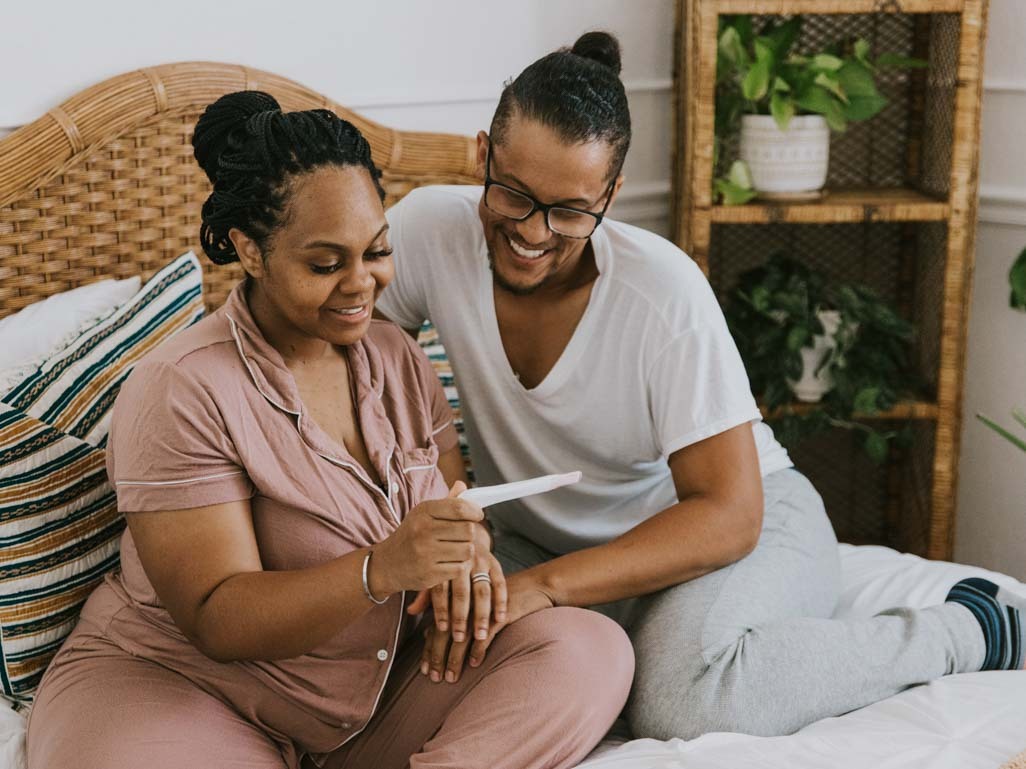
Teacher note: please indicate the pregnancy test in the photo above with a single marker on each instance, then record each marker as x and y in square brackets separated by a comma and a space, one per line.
[484, 496]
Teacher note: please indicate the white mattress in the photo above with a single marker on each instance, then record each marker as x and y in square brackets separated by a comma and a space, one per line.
[957, 722]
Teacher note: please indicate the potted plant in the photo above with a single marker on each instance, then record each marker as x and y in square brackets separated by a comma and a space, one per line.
[849, 347]
[786, 104]
[1017, 301]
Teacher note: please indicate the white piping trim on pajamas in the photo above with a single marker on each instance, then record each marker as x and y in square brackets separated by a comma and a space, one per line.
[242, 354]
[418, 467]
[441, 428]
[177, 483]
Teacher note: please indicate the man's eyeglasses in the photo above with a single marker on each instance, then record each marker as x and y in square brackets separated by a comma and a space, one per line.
[563, 220]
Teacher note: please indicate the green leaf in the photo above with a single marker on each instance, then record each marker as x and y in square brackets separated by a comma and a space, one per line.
[742, 22]
[896, 61]
[797, 337]
[832, 84]
[731, 48]
[827, 62]
[866, 400]
[761, 298]
[740, 175]
[820, 101]
[835, 118]
[782, 37]
[1013, 439]
[863, 107]
[1019, 416]
[782, 108]
[856, 80]
[756, 81]
[876, 447]
[816, 99]
[1017, 279]
[864, 100]
[733, 195]
[861, 49]
[779, 84]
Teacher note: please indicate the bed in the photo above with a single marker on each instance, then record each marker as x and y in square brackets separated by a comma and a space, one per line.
[105, 186]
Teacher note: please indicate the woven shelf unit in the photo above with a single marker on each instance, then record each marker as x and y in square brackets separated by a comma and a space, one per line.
[899, 215]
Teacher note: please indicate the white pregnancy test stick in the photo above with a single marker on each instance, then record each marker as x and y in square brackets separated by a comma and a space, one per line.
[483, 496]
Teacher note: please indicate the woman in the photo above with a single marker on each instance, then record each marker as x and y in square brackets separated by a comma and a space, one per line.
[284, 466]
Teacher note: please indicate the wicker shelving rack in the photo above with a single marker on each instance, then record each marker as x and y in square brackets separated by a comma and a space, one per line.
[899, 215]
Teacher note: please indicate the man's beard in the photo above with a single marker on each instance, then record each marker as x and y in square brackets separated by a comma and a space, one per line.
[505, 285]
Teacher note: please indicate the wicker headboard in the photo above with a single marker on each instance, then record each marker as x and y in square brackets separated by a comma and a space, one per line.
[105, 185]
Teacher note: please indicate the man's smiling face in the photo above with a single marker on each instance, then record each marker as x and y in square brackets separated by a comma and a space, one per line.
[533, 159]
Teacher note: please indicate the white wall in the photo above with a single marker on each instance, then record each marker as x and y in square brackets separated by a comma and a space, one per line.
[440, 65]
[991, 527]
[436, 66]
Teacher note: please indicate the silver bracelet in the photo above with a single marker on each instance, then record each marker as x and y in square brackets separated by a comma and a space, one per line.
[366, 586]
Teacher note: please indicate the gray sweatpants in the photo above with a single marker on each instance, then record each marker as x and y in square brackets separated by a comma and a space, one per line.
[751, 647]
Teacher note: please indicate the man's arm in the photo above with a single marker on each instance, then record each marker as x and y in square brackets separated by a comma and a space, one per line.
[716, 522]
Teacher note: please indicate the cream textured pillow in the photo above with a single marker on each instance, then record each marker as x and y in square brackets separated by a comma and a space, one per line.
[35, 334]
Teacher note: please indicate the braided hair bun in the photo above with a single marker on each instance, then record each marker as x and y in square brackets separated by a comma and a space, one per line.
[218, 120]
[600, 47]
[250, 150]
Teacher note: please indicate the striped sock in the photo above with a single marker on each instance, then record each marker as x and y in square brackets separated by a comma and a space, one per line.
[998, 612]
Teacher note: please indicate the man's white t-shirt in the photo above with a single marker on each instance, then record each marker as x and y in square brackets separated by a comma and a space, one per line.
[651, 368]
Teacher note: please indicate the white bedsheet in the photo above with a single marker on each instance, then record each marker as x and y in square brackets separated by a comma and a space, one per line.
[957, 722]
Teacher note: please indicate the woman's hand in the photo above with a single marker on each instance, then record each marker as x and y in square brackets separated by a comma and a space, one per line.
[452, 603]
[525, 596]
[434, 544]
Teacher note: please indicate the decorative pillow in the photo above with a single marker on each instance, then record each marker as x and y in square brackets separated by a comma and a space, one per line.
[33, 335]
[59, 529]
[432, 347]
[59, 525]
[74, 390]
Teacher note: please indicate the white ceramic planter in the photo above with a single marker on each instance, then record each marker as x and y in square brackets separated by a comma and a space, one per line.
[786, 164]
[813, 386]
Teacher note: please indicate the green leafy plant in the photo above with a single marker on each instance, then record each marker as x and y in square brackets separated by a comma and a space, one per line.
[774, 312]
[1017, 280]
[758, 72]
[1017, 301]
[1019, 415]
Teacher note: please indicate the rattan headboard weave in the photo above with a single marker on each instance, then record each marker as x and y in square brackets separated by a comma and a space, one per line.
[105, 185]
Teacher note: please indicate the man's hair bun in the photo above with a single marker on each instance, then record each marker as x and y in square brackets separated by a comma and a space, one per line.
[601, 47]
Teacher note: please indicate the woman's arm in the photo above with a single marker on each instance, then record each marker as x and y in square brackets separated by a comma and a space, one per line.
[205, 566]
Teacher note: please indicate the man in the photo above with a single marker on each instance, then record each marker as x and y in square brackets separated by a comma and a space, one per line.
[580, 343]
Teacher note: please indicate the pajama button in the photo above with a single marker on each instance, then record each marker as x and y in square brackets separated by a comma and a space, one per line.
[347, 725]
[395, 488]
[382, 655]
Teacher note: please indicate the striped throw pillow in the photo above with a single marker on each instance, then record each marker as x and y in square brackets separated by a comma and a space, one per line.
[59, 526]
[432, 346]
[59, 529]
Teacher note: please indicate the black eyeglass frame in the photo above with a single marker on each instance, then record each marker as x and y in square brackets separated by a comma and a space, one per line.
[537, 205]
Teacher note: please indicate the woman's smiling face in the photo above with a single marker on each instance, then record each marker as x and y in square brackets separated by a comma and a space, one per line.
[328, 262]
